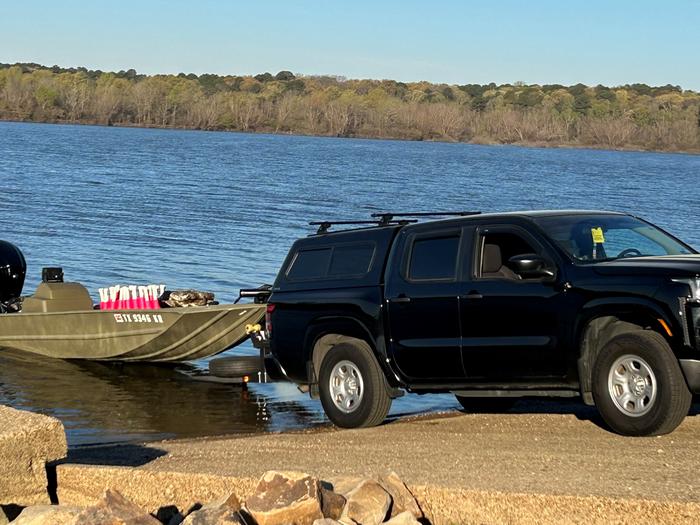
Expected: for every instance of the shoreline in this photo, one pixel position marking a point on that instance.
(566, 454)
(507, 467)
(523, 144)
(462, 468)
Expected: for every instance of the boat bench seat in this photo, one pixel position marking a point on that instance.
(58, 297)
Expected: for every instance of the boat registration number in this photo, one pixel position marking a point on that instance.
(138, 318)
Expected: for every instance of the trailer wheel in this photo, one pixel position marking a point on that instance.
(352, 387)
(638, 385)
(235, 366)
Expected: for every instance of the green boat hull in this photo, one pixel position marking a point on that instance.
(165, 335)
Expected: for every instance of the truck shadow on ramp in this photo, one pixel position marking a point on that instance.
(545, 406)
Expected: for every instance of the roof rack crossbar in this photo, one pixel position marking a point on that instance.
(426, 213)
(324, 226)
(387, 217)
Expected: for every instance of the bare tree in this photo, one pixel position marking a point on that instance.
(75, 94)
(17, 94)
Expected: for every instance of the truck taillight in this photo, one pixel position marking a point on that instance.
(268, 319)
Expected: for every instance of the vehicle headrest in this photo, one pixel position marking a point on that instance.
(492, 260)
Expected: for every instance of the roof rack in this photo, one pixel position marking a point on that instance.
(387, 217)
(324, 226)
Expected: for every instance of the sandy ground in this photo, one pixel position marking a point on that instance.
(560, 451)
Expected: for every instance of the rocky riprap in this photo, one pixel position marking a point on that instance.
(280, 498)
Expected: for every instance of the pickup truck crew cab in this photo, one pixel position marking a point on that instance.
(601, 305)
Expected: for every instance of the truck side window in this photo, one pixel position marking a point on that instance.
(434, 258)
(351, 260)
(334, 262)
(496, 249)
(309, 264)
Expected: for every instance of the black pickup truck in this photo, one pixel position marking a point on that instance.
(493, 307)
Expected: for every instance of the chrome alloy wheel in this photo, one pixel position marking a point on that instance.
(346, 386)
(632, 385)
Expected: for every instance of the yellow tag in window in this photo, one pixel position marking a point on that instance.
(598, 237)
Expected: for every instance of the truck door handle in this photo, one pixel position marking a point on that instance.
(401, 299)
(473, 295)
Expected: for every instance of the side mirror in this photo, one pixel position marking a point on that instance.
(531, 266)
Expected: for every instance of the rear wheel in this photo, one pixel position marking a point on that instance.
(638, 385)
(352, 387)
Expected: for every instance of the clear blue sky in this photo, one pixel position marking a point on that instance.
(609, 42)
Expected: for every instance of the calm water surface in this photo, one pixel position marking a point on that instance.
(218, 211)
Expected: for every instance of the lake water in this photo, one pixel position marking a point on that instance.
(218, 211)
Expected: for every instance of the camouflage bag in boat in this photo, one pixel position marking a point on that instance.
(178, 298)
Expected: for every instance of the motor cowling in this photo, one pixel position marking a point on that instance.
(13, 269)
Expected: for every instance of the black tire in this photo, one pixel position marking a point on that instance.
(486, 405)
(651, 410)
(372, 402)
(235, 366)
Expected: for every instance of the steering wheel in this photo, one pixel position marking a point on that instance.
(629, 252)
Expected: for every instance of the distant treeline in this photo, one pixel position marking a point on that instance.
(630, 116)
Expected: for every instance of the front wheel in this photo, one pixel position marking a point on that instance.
(638, 385)
(352, 387)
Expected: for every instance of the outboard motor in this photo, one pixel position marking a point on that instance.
(13, 268)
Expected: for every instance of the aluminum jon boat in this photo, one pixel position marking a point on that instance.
(169, 334)
(59, 321)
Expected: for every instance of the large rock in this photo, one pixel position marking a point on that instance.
(344, 484)
(286, 498)
(402, 499)
(367, 504)
(44, 514)
(332, 503)
(222, 512)
(114, 509)
(27, 442)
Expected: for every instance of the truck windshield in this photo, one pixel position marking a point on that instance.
(589, 238)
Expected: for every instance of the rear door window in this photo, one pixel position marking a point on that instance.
(434, 258)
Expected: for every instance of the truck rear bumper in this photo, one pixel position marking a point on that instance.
(691, 371)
